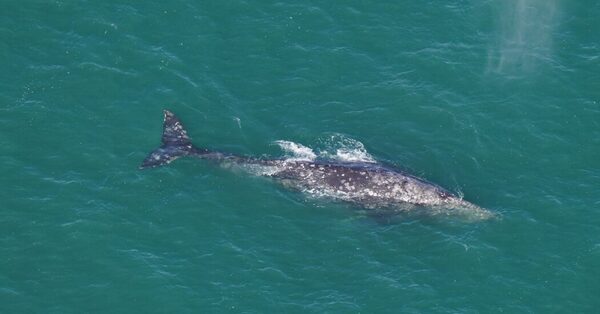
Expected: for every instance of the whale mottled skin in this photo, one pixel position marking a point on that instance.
(368, 185)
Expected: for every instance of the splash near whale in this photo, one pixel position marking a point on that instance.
(364, 182)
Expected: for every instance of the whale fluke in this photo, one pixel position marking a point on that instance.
(175, 143)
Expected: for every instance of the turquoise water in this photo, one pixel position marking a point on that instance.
(496, 100)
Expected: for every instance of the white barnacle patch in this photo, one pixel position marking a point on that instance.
(348, 186)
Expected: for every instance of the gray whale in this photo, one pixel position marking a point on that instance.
(371, 186)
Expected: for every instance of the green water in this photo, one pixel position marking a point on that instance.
(497, 100)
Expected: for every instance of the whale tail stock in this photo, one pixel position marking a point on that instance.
(175, 143)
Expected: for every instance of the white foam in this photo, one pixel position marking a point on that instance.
(298, 151)
(342, 148)
(336, 147)
(353, 155)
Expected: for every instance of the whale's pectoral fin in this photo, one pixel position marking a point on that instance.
(175, 144)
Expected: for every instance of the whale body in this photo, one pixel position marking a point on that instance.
(370, 186)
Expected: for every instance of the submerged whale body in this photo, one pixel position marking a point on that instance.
(369, 185)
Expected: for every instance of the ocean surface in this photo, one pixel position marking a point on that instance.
(496, 100)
